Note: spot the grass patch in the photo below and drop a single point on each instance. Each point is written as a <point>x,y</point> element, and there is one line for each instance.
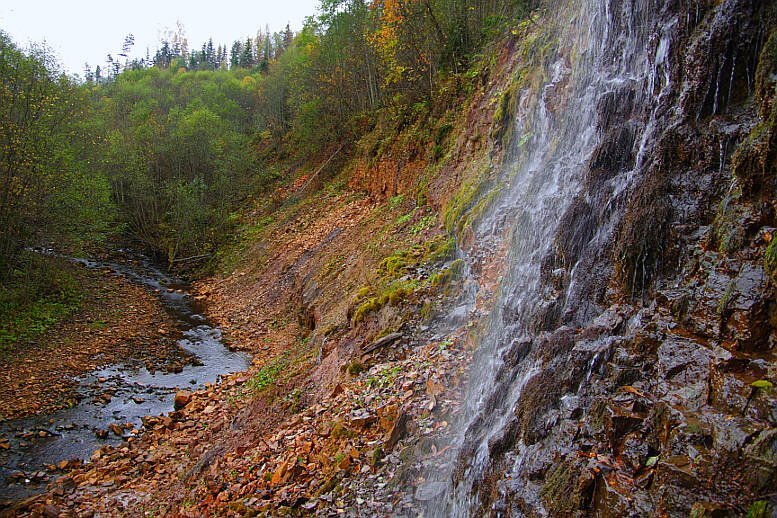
<point>405,218</point>
<point>385,378</point>
<point>423,224</point>
<point>396,201</point>
<point>41,292</point>
<point>267,375</point>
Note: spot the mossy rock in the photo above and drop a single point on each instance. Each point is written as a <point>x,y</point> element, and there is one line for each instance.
<point>729,230</point>
<point>567,489</point>
<point>754,162</point>
<point>770,260</point>
<point>765,74</point>
<point>505,113</point>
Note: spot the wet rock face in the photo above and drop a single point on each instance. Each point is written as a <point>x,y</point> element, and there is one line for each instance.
<point>654,406</point>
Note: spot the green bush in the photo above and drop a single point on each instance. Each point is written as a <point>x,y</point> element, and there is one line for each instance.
<point>40,292</point>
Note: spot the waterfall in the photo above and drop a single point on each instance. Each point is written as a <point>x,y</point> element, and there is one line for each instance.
<point>611,55</point>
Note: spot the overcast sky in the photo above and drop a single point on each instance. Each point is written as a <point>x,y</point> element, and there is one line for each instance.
<point>83,31</point>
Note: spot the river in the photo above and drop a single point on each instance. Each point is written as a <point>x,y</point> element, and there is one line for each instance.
<point>135,392</point>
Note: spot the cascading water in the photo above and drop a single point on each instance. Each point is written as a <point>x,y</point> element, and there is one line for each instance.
<point>605,48</point>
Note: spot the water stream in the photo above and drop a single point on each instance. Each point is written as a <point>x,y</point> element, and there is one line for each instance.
<point>135,392</point>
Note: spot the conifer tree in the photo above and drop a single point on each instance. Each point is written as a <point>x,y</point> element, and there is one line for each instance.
<point>235,54</point>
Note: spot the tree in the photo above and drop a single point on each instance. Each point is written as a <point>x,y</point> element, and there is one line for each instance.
<point>46,191</point>
<point>235,54</point>
<point>247,56</point>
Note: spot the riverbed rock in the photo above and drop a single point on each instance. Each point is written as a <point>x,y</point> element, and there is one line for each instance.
<point>182,398</point>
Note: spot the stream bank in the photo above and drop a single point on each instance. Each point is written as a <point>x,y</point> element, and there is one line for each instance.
<point>92,382</point>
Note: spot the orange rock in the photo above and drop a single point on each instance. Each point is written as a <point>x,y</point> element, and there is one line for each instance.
<point>182,398</point>
<point>434,388</point>
<point>279,473</point>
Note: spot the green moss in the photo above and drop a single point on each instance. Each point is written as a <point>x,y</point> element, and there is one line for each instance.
<point>478,209</point>
<point>354,368</point>
<point>759,509</point>
<point>446,275</point>
<point>728,230</point>
<point>398,291</point>
<point>440,249</point>
<point>750,162</point>
<point>764,76</point>
<point>461,201</point>
<point>503,125</point>
<point>753,161</point>
<point>726,299</point>
<point>762,384</point>
<point>392,290</point>
<point>770,259</point>
<point>466,197</point>
<point>395,264</point>
<point>562,490</point>
<point>363,292</point>
<point>365,309</point>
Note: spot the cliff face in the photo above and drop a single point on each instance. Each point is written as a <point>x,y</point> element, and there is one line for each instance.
<point>627,365</point>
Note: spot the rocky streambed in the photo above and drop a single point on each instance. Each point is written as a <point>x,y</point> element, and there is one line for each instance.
<point>114,400</point>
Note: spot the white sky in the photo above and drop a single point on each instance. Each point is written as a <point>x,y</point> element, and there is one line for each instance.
<point>81,31</point>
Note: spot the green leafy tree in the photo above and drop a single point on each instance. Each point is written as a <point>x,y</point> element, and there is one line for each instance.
<point>44,148</point>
